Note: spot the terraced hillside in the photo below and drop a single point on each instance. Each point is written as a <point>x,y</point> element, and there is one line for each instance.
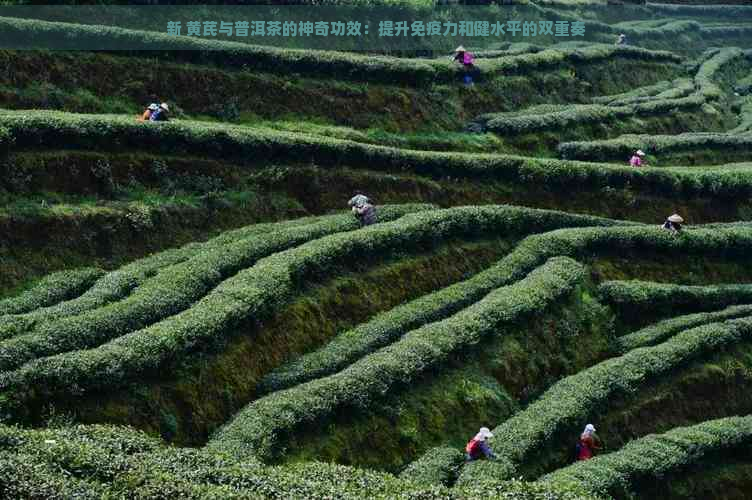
<point>189,310</point>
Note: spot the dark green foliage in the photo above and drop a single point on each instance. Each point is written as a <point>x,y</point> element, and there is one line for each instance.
<point>35,129</point>
<point>260,427</point>
<point>118,284</point>
<point>27,33</point>
<point>94,462</point>
<point>537,120</point>
<point>440,466</point>
<point>657,146</point>
<point>6,141</point>
<point>250,292</point>
<point>661,331</point>
<point>633,299</point>
<point>707,9</point>
<point>637,103</point>
<point>50,290</point>
<point>655,455</point>
<point>385,328</point>
<point>568,404</point>
<point>663,89</point>
<point>164,295</point>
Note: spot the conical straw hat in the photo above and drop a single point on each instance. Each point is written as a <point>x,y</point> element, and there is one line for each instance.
<point>676,218</point>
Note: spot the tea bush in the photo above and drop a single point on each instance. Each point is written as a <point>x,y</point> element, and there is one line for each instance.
<point>673,99</point>
<point>636,298</point>
<point>23,33</point>
<point>655,455</point>
<point>661,331</point>
<point>166,294</point>
<point>52,289</point>
<point>258,145</point>
<point>441,467</point>
<point>118,284</point>
<point>657,145</point>
<point>351,345</point>
<point>94,462</point>
<point>572,400</point>
<point>258,429</point>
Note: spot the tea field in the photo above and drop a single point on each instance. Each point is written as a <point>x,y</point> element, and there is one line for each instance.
<point>188,309</point>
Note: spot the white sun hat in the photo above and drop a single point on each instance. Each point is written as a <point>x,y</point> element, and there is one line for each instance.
<point>164,106</point>
<point>460,49</point>
<point>640,152</point>
<point>153,106</point>
<point>484,433</point>
<point>676,218</point>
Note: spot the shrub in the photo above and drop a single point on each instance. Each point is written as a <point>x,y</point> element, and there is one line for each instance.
<point>259,428</point>
<point>581,114</point>
<point>710,72</point>
<point>259,145</point>
<point>709,10</point>
<point>440,466</point>
<point>22,33</point>
<point>655,455</point>
<point>252,293</point>
<point>639,298</point>
<point>658,145</point>
<point>540,118</point>
<point>661,331</point>
<point>727,240</point>
<point>116,285</point>
<point>166,294</point>
<point>661,90</point>
<point>572,400</point>
<point>353,344</point>
<point>93,462</point>
<point>6,141</point>
<point>50,290</point>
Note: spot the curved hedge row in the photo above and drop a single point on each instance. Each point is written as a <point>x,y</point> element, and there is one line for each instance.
<point>353,344</point>
<point>54,288</point>
<point>258,145</point>
<point>726,239</point>
<point>638,93</point>
<point>535,119</point>
<point>164,295</point>
<point>657,145</point>
<point>111,287</point>
<point>95,462</point>
<point>572,400</point>
<point>252,293</point>
<point>117,284</point>
<point>260,428</point>
<point>441,467</point>
<point>661,331</point>
<point>582,114</point>
<point>706,79</point>
<point>636,298</point>
<point>655,455</point>
<point>680,87</point>
<point>22,33</point>
<point>745,117</point>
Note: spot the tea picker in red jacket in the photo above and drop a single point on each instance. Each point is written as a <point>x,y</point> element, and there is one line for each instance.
<point>478,446</point>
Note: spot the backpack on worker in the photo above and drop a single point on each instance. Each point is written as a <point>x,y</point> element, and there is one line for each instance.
<point>473,448</point>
